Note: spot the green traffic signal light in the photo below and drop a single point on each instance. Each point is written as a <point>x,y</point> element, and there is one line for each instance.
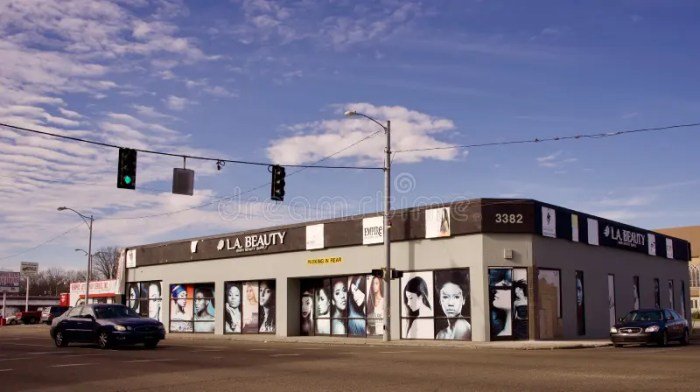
<point>127,180</point>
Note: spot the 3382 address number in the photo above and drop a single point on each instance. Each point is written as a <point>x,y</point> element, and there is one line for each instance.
<point>509,218</point>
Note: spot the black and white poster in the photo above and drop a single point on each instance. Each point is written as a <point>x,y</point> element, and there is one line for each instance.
<point>657,294</point>
<point>520,304</point>
<point>233,318</point>
<point>453,315</point>
<point>357,309</point>
<point>322,306</point>
<point>500,302</point>
<point>250,307</point>
<point>549,222</point>
<point>417,306</point>
<point>671,298</point>
<point>306,309</point>
<point>134,294</point>
<point>635,292</point>
<point>267,309</point>
<point>375,305</point>
<point>204,308</point>
<point>611,300</point>
<point>339,306</point>
<point>153,301</point>
<point>580,305</point>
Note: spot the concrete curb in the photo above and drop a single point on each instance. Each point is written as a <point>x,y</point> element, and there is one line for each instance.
<point>510,345</point>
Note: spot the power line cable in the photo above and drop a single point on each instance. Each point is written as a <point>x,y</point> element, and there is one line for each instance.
<point>201,158</point>
<point>300,169</point>
<point>555,138</point>
<point>43,243</point>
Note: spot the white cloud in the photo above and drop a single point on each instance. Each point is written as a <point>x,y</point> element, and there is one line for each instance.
<point>554,160</point>
<point>176,103</point>
<point>410,129</point>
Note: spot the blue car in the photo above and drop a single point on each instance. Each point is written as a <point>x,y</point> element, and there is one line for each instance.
<point>106,325</point>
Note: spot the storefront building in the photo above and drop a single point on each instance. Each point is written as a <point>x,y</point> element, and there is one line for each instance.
<point>481,270</point>
<point>692,235</point>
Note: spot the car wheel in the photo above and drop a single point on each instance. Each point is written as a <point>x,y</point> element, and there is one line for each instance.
<point>686,338</point>
<point>59,339</point>
<point>151,344</point>
<point>663,341</point>
<point>617,345</point>
<point>103,340</point>
<point>31,321</point>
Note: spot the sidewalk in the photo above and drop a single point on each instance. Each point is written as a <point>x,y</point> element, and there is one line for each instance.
<point>327,340</point>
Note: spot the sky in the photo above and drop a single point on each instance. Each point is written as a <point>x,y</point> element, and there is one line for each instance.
<point>268,81</point>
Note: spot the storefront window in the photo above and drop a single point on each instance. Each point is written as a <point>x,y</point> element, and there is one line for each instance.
<point>671,297</point>
<point>192,308</point>
<point>436,305</point>
<point>611,300</point>
<point>657,294</point>
<point>580,305</point>
<point>508,303</point>
<point>635,291</point>
<point>250,307</point>
<point>146,299</point>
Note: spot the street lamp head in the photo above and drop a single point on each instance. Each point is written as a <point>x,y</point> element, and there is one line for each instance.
<point>350,113</point>
<point>61,208</point>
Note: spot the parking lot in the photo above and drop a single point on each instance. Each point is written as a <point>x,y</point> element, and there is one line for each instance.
<point>29,360</point>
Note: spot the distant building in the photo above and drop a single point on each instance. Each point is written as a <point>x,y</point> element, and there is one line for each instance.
<point>692,235</point>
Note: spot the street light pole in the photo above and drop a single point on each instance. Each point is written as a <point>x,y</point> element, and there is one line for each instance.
<point>89,253</point>
<point>387,224</point>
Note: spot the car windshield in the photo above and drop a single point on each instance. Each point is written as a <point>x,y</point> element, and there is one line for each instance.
<point>111,312</point>
<point>648,315</point>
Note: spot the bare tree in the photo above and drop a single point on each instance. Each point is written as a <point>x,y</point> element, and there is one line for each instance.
<point>105,262</point>
<point>52,281</point>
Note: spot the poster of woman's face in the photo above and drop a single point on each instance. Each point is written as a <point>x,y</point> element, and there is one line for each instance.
<point>339,305</point>
<point>437,222</point>
<point>375,305</point>
<point>250,307</point>
<point>501,302</point>
<point>267,306</point>
<point>657,294</point>
<point>306,308</point>
<point>520,304</point>
<point>181,307</point>
<point>233,317</point>
<point>357,325</point>
<point>204,308</point>
<point>154,301</point>
<point>635,291</point>
<point>133,302</point>
<point>323,307</point>
<point>417,305</point>
<point>580,305</point>
<point>452,316</point>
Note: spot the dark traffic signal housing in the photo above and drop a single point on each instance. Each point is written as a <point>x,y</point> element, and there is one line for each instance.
<point>126,173</point>
<point>277,187</point>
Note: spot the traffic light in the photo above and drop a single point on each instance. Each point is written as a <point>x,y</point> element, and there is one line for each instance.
<point>126,173</point>
<point>396,274</point>
<point>277,188</point>
<point>379,273</point>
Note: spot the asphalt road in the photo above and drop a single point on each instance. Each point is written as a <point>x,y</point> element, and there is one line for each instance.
<point>29,360</point>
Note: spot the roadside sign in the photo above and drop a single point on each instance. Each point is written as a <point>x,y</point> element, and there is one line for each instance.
<point>29,269</point>
<point>9,282</point>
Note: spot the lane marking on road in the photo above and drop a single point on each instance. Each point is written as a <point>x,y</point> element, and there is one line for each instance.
<point>396,352</point>
<point>285,355</point>
<point>6,370</point>
<point>70,364</point>
<point>44,352</point>
<point>29,345</point>
<point>261,349</point>
<point>82,355</point>
<point>216,350</point>
<point>16,359</point>
<point>310,348</point>
<point>150,360</point>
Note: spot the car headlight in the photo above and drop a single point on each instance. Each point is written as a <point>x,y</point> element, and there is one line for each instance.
<point>119,328</point>
<point>653,328</point>
<point>613,330</point>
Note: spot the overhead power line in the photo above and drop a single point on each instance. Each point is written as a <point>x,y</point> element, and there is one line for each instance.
<point>554,138</point>
<point>186,156</point>
<point>43,243</point>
